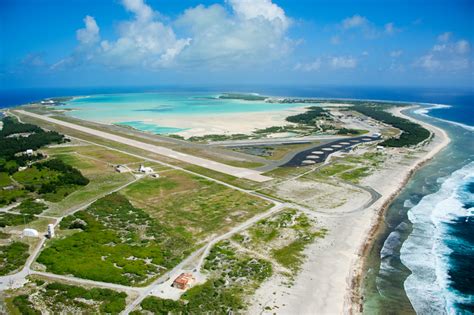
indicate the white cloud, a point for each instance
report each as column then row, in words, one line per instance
column 335, row 40
column 328, row 63
column 254, row 9
column 253, row 32
column 446, row 36
column 390, row 28
column 33, row 60
column 142, row 41
column 396, row 53
column 90, row 33
column 343, row 62
column 138, row 7
column 245, row 32
column 446, row 56
column 354, row 21
column 309, row 67
column 429, row 62
column 462, row 46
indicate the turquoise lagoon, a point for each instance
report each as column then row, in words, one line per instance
column 139, row 110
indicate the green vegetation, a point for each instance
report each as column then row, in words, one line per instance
column 412, row 133
column 295, row 230
column 8, row 196
column 196, row 206
column 10, row 144
column 92, row 162
column 31, row 207
column 356, row 174
column 242, row 96
column 12, row 257
column 351, row 132
column 219, row 137
column 53, row 179
column 56, row 298
column 116, row 243
column 309, row 117
column 350, row 168
column 24, row 305
column 4, row 179
column 11, row 219
column 233, row 276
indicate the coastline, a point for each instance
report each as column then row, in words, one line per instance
column 333, row 268
column 354, row 298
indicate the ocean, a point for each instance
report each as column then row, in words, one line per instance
column 422, row 259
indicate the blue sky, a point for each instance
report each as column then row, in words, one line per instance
column 53, row 43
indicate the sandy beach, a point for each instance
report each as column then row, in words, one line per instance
column 200, row 125
column 329, row 280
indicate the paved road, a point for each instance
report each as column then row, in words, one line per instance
column 209, row 164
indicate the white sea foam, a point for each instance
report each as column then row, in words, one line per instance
column 425, row 110
column 425, row 252
column 408, row 204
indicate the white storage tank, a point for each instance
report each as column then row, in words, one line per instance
column 30, row 232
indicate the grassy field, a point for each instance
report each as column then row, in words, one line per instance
column 93, row 162
column 40, row 297
column 199, row 206
column 9, row 196
column 352, row 168
column 4, row 179
column 12, row 257
column 117, row 243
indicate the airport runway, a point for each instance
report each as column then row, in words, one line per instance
column 209, row 164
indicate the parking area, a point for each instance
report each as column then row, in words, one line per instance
column 320, row 153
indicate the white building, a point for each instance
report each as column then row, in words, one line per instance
column 30, row 232
column 50, row 230
column 145, row 169
column 29, row 152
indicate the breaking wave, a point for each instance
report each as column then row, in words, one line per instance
column 441, row 237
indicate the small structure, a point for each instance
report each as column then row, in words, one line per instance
column 29, row 152
column 184, row 281
column 122, row 169
column 380, row 148
column 155, row 175
column 50, row 231
column 145, row 169
column 30, row 232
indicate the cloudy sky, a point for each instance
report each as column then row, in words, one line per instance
column 54, row 43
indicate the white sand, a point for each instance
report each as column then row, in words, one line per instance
column 324, row 286
column 199, row 125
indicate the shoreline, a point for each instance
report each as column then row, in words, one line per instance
column 353, row 302
column 329, row 279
